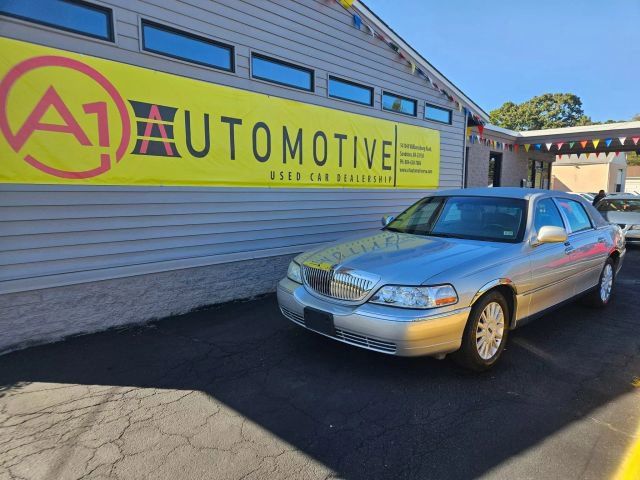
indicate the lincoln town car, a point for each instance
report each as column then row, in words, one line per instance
column 455, row 273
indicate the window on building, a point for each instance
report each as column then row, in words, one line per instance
column 282, row 73
column 186, row 46
column 71, row 15
column 576, row 215
column 395, row 103
column 437, row 114
column 353, row 92
column 495, row 169
column 619, row 177
column 539, row 174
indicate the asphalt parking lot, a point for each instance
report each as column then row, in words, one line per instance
column 236, row 391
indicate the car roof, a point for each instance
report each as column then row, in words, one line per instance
column 503, row 192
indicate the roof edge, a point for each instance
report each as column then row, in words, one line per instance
column 420, row 60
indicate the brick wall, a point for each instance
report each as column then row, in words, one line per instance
column 514, row 165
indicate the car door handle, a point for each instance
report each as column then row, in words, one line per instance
column 602, row 240
column 569, row 249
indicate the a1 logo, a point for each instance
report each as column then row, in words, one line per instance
column 63, row 117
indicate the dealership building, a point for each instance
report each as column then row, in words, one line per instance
column 161, row 156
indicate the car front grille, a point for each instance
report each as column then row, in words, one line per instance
column 341, row 284
column 346, row 336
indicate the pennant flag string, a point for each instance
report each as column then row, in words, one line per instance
column 359, row 23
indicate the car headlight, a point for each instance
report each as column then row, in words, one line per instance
column 416, row 297
column 294, row 272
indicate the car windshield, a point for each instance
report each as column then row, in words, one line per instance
column 620, row 205
column 475, row 218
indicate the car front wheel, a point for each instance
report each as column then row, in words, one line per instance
column 485, row 334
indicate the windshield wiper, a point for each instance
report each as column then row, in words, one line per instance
column 391, row 229
column 447, row 235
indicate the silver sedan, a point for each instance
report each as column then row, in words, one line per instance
column 455, row 272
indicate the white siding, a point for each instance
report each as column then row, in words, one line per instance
column 57, row 235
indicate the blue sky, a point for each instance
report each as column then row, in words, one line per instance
column 500, row 50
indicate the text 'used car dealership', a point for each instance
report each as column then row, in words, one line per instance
column 162, row 156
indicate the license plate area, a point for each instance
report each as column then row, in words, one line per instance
column 319, row 321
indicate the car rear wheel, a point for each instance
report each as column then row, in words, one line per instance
column 485, row 334
column 602, row 294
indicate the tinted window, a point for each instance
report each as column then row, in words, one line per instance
column 71, row 15
column 399, row 104
column 621, row 205
column 284, row 73
column 185, row 46
column 576, row 215
column 547, row 215
column 475, row 218
column 353, row 92
column 437, row 114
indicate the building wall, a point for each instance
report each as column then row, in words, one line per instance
column 588, row 173
column 580, row 178
column 632, row 181
column 66, row 250
column 514, row 164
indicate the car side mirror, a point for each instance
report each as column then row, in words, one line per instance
column 549, row 234
column 387, row 219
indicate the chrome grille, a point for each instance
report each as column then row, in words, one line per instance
column 343, row 284
column 367, row 342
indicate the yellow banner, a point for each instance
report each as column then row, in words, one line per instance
column 74, row 119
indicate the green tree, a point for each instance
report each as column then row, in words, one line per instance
column 550, row 110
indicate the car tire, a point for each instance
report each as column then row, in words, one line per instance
column 601, row 296
column 477, row 350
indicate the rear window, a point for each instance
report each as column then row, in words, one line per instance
column 621, row 205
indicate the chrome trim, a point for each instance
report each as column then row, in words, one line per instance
column 337, row 282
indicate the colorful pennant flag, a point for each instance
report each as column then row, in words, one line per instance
column 538, row 146
column 584, row 143
column 549, row 145
column 571, row 144
column 357, row 21
column 622, row 140
column 595, row 142
column 346, row 3
column 527, row 147
column 608, row 141
column 559, row 145
column 635, row 140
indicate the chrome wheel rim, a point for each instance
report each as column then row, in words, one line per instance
column 490, row 331
column 606, row 283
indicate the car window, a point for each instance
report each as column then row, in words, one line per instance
column 622, row 205
column 476, row 218
column 547, row 214
column 576, row 215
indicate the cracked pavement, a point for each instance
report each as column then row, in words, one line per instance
column 237, row 392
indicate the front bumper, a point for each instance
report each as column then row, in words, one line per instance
column 395, row 331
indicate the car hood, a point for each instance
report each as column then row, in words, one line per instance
column 627, row 218
column 403, row 258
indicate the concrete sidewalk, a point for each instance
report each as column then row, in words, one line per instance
column 238, row 392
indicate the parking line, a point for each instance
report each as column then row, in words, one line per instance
column 629, row 469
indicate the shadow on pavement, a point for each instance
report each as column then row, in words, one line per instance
column 362, row 414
